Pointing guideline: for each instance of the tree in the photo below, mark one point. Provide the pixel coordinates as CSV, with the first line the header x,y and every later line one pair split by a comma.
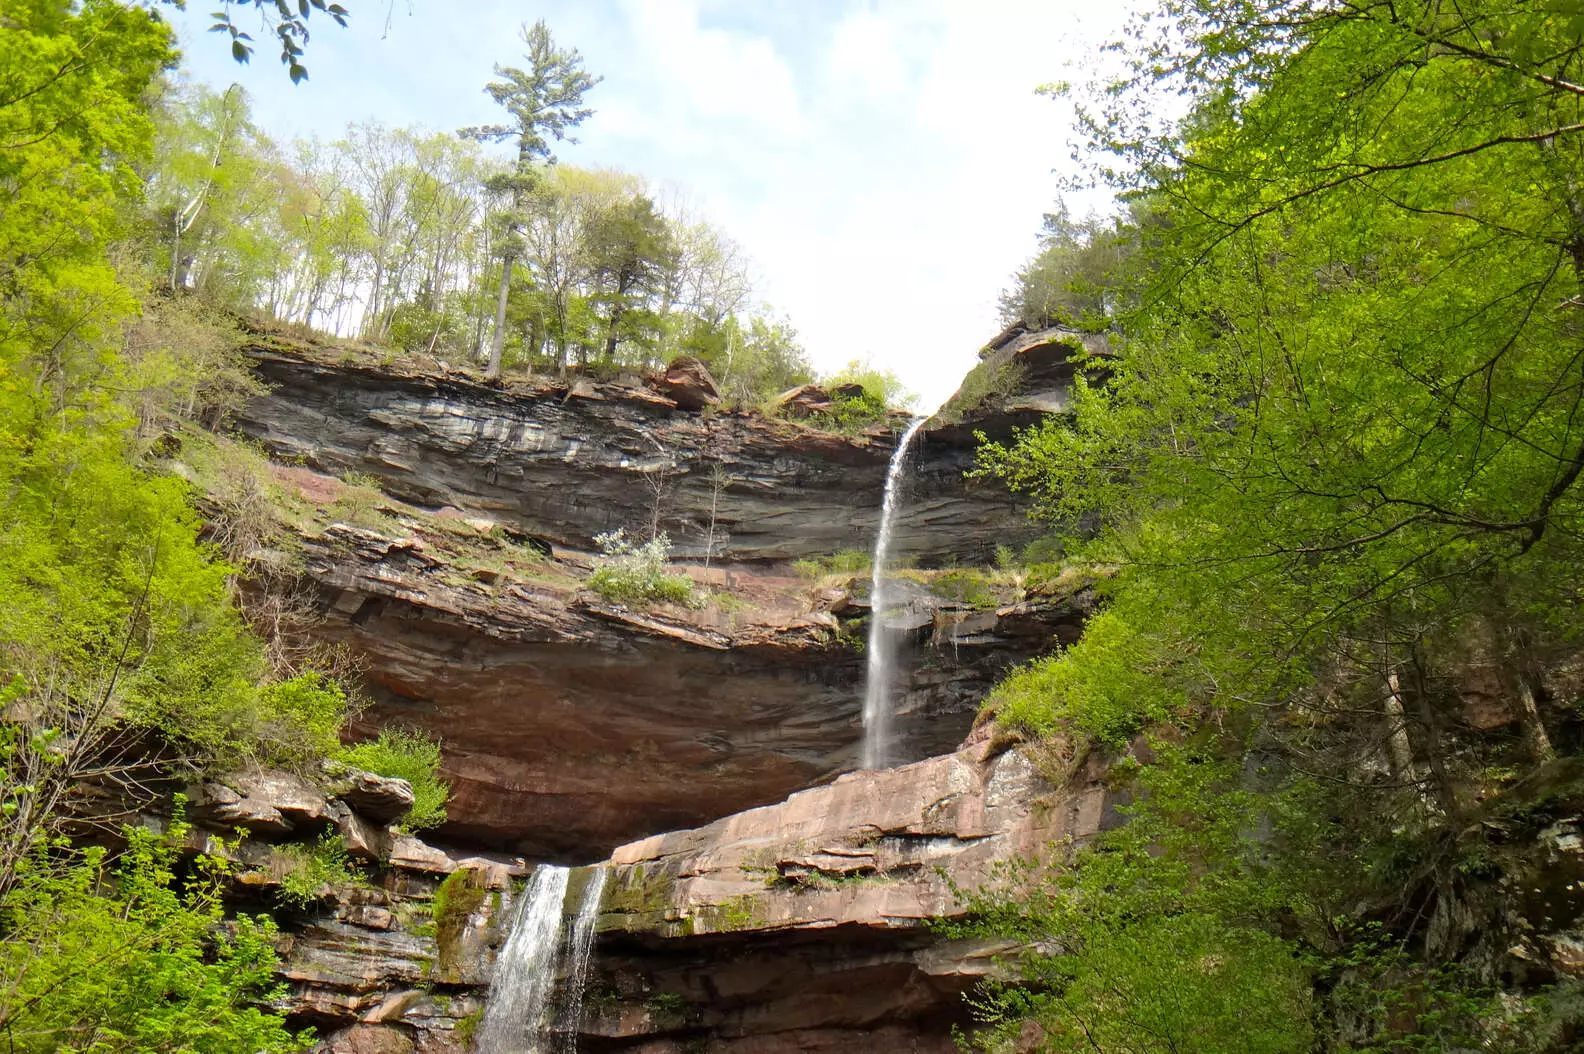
x,y
289,23
632,256
1337,454
213,192
544,102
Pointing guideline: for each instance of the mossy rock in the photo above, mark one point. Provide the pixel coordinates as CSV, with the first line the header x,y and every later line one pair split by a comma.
x,y
459,896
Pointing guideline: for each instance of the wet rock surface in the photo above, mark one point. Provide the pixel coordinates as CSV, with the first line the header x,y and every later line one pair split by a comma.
x,y
802,925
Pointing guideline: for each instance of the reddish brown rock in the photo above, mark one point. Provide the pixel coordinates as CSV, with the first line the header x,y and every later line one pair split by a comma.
x,y
800,926
571,725
803,401
266,802
689,384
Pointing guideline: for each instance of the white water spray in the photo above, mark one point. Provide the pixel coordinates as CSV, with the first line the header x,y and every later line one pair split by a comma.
x,y
881,649
579,952
520,1018
524,976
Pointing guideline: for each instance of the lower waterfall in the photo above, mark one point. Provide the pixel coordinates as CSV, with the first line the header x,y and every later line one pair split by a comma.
x,y
580,951
524,974
520,1017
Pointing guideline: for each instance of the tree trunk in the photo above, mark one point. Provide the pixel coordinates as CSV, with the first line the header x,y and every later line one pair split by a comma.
x,y
610,335
498,342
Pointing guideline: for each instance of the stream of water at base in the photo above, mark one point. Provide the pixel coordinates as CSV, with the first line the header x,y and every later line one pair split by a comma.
x,y
519,1017
882,645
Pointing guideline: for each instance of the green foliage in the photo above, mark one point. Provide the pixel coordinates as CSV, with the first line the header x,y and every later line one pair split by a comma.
x,y
131,958
666,1004
633,573
1154,986
467,1027
752,363
410,755
968,585
986,382
313,866
288,22
880,391
358,500
1079,277
1116,681
844,562
1335,467
302,719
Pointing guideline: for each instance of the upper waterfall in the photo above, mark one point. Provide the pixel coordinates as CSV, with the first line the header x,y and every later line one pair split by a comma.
x,y
881,648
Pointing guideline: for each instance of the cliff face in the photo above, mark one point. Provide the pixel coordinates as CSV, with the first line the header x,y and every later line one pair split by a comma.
x,y
565,463
792,928
803,925
784,911
572,724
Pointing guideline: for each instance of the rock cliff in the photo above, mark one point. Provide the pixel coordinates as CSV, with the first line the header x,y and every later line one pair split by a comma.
x,y
441,530
566,462
572,724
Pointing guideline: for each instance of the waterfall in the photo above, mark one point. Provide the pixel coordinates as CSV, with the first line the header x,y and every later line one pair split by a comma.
x,y
524,976
882,644
519,1017
580,951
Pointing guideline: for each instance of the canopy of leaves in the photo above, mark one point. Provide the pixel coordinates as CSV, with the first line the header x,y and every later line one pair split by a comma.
x,y
1338,456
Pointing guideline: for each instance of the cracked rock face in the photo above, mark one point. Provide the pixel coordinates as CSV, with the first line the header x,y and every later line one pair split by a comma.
x,y
571,725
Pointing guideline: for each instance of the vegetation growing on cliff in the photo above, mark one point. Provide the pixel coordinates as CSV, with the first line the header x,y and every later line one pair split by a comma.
x,y
1336,467
633,572
124,659
412,756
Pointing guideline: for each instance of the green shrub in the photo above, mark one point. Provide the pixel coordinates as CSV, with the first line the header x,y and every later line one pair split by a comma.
x,y
984,382
129,958
359,500
966,585
636,573
301,720
846,561
1108,687
410,755
312,866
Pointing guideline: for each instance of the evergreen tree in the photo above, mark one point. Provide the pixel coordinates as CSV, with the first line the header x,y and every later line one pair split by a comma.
x,y
544,101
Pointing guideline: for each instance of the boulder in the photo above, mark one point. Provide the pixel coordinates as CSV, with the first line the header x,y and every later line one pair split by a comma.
x,y
806,925
268,802
364,840
689,384
382,799
803,401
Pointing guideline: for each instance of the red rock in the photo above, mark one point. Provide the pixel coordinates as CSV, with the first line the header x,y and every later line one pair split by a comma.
x,y
688,382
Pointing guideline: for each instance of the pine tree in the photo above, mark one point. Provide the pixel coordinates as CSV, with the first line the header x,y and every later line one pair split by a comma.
x,y
544,101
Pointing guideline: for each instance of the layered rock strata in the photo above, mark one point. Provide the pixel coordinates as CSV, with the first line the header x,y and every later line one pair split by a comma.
x,y
802,926
572,724
567,462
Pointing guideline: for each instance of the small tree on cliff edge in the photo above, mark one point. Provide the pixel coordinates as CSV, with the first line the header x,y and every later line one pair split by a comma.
x,y
544,101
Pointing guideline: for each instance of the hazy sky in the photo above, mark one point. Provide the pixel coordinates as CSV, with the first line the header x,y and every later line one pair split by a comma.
x,y
884,162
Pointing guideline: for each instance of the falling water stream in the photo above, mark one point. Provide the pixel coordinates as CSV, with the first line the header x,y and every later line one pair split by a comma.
x,y
525,968
579,952
519,1018
882,645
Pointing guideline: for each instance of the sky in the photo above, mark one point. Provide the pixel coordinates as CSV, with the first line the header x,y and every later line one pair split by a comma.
x,y
885,163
